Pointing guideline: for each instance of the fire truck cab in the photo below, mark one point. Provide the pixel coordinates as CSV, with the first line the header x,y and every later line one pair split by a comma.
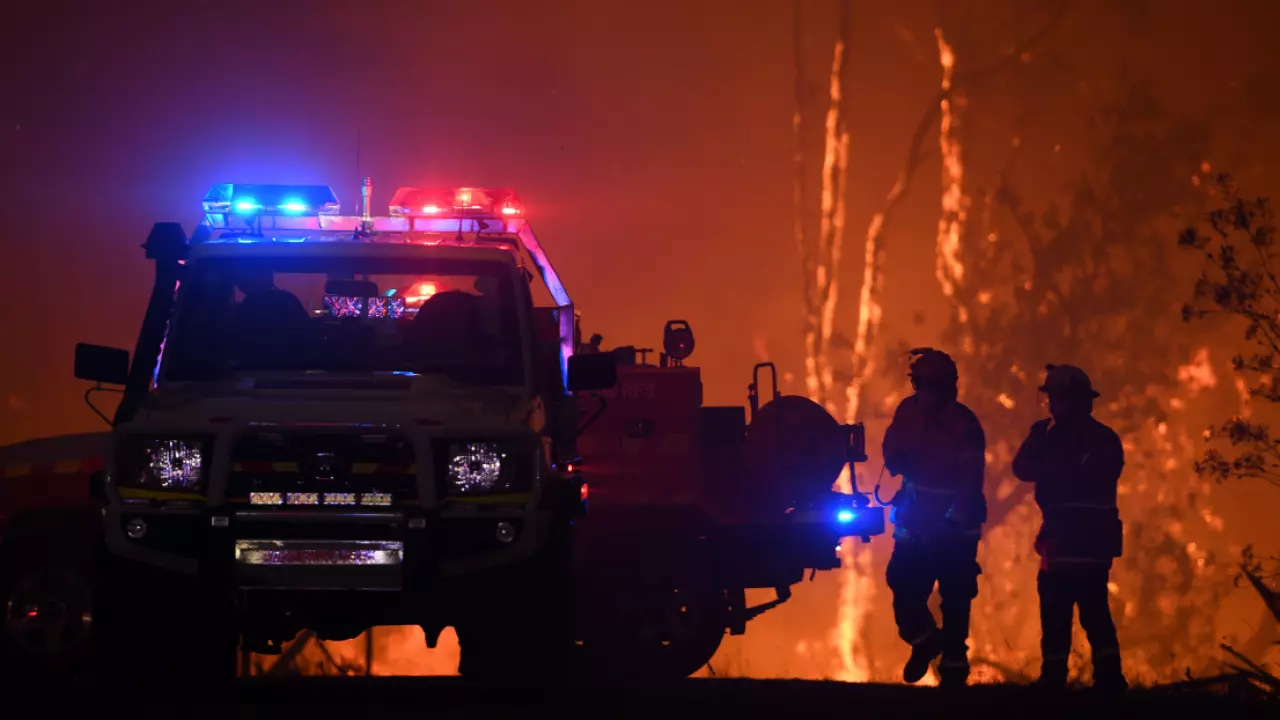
x,y
331,423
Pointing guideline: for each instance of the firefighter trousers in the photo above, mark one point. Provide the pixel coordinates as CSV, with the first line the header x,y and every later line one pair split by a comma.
x,y
918,564
1061,591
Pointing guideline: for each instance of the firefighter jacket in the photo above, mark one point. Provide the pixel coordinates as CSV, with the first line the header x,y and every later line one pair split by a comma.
x,y
1076,469
941,455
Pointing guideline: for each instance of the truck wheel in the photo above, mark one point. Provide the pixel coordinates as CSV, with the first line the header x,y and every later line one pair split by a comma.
x,y
46,591
519,649
519,632
656,634
159,637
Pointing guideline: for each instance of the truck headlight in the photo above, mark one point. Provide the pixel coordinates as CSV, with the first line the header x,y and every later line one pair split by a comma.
x,y
478,467
173,464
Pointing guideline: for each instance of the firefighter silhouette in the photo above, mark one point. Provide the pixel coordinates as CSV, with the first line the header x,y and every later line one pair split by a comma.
x,y
1075,462
271,326
937,445
449,330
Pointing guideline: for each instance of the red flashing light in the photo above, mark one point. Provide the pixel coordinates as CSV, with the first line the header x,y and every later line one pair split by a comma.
x,y
423,292
456,202
583,492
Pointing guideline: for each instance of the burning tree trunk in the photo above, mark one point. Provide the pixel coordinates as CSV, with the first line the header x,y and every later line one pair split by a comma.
x,y
807,265
821,284
835,174
955,204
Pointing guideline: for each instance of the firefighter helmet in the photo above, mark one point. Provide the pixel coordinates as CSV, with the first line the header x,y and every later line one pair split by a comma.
x,y
931,364
1067,378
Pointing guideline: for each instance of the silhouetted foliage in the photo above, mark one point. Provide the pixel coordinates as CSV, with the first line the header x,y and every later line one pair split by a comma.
x,y
1240,280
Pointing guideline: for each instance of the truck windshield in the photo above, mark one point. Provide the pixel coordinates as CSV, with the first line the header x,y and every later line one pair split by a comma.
x,y
347,315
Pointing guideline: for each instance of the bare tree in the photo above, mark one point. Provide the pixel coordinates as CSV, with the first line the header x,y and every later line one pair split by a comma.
x,y
821,284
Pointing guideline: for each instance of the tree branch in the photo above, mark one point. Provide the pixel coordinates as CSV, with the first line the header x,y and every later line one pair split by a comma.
x,y
1269,596
1253,669
962,80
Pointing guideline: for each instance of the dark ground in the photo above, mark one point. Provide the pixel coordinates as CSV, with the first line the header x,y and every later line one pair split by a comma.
x,y
368,698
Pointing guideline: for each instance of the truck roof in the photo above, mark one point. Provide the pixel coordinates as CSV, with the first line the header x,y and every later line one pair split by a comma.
x,y
244,220
500,249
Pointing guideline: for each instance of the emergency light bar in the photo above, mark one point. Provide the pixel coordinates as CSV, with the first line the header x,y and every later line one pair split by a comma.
x,y
456,203
230,204
271,200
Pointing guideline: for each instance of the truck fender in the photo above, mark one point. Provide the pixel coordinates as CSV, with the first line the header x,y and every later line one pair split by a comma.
x,y
70,530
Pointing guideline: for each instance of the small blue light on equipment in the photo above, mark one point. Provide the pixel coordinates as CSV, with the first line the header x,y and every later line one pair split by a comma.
x,y
844,516
293,206
247,206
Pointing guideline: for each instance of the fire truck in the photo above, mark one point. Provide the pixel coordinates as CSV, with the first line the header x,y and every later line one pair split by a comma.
x,y
335,422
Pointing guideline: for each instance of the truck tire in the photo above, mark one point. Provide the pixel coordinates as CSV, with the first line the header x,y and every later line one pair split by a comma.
x,y
655,634
518,631
46,590
154,636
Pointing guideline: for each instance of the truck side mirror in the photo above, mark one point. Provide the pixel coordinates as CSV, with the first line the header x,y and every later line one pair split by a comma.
x,y
592,371
100,364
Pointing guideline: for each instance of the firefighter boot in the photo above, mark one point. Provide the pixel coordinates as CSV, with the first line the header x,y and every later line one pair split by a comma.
x,y
1053,677
923,652
954,671
1107,675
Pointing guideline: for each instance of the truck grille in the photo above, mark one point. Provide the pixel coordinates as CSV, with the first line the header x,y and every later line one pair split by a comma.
x,y
314,471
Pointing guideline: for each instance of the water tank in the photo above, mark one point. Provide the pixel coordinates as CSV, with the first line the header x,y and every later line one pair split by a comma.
x,y
795,451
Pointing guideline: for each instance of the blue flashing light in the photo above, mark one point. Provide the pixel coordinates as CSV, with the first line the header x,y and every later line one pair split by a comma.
x,y
271,200
845,516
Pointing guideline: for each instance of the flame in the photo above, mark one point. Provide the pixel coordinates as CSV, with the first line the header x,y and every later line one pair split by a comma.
x,y
835,167
381,651
1198,374
857,597
869,311
1242,392
950,271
